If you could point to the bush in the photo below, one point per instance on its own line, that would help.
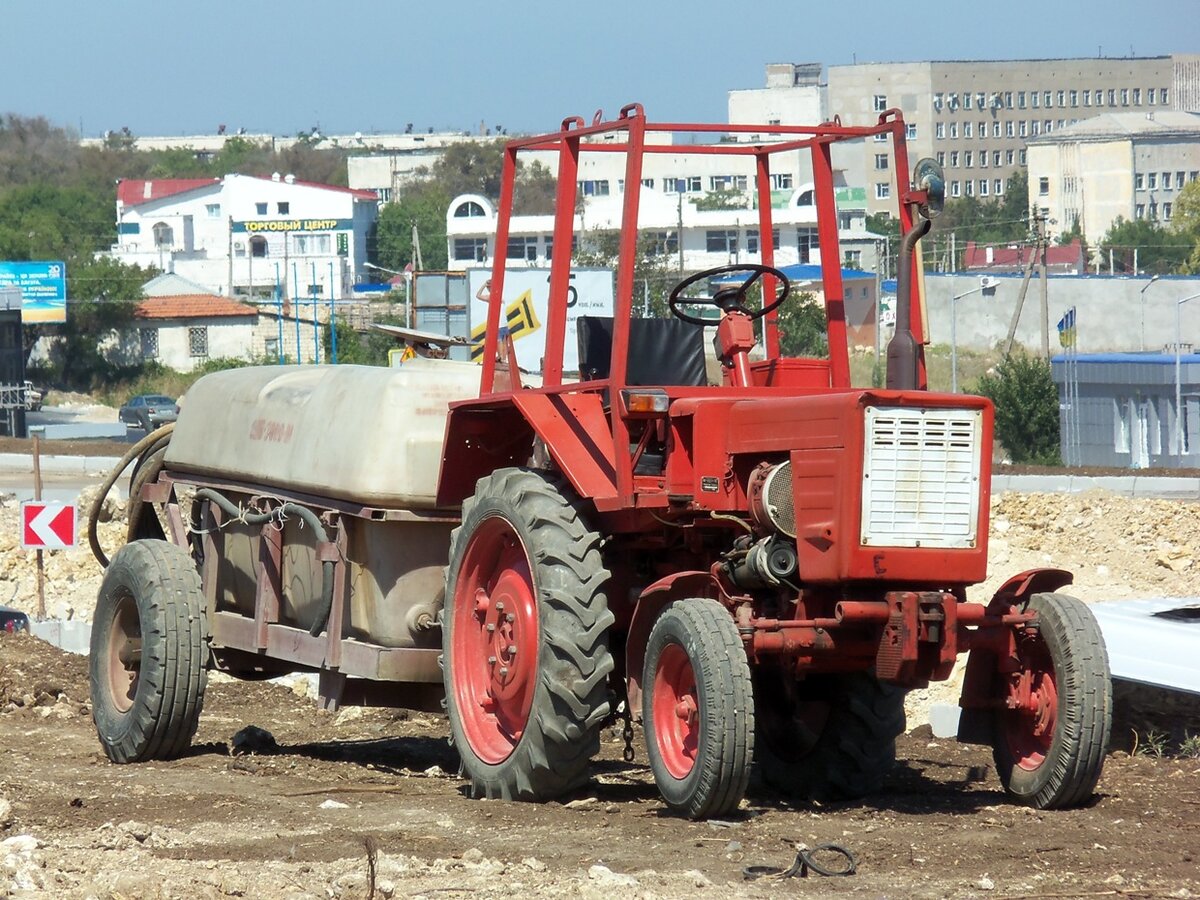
(1026, 402)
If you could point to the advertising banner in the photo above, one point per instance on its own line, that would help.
(43, 287)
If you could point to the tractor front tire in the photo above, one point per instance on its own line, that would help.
(830, 737)
(1049, 755)
(148, 653)
(698, 709)
(525, 639)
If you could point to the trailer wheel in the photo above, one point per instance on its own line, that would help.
(148, 653)
(1052, 737)
(525, 639)
(697, 709)
(828, 737)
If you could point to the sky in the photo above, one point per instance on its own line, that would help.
(166, 68)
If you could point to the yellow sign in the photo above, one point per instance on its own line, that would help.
(520, 319)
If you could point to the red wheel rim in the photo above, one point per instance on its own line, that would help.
(124, 654)
(676, 711)
(1032, 703)
(495, 642)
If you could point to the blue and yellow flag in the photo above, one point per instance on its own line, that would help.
(1066, 328)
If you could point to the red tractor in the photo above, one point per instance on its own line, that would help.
(757, 569)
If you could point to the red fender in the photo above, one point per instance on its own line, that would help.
(650, 603)
(1020, 587)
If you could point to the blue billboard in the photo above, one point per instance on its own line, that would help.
(43, 287)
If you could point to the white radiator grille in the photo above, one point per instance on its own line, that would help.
(921, 477)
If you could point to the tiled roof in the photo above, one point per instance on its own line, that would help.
(132, 191)
(193, 306)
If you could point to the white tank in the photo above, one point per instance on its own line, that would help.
(360, 433)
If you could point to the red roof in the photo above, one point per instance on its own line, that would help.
(132, 191)
(193, 306)
(1017, 255)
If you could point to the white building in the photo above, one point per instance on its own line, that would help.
(793, 95)
(710, 238)
(245, 236)
(1131, 165)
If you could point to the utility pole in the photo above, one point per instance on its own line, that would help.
(1033, 258)
(416, 246)
(1045, 287)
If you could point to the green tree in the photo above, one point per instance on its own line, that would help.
(423, 204)
(1185, 224)
(803, 330)
(1159, 250)
(1026, 401)
(722, 199)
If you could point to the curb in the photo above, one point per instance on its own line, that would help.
(69, 465)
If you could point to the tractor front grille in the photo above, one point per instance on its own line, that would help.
(921, 477)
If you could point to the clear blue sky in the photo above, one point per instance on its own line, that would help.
(374, 65)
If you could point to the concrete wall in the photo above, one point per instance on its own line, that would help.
(1109, 318)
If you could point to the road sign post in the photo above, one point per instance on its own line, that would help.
(45, 526)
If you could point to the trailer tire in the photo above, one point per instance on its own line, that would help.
(525, 638)
(149, 649)
(830, 737)
(1051, 758)
(698, 709)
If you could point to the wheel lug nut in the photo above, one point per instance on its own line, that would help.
(490, 628)
(509, 617)
(512, 649)
(503, 671)
(499, 606)
(491, 660)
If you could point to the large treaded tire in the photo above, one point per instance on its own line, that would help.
(695, 656)
(537, 744)
(150, 611)
(1063, 770)
(830, 737)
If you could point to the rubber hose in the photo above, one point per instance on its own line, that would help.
(94, 515)
(310, 518)
(147, 469)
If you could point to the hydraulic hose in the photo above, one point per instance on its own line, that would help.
(304, 514)
(134, 452)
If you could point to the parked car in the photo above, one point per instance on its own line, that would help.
(13, 620)
(149, 411)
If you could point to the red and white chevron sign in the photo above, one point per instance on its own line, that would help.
(47, 526)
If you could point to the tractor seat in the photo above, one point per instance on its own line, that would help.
(661, 351)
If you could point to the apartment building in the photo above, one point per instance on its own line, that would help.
(1131, 165)
(977, 117)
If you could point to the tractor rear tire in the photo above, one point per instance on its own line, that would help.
(829, 737)
(525, 639)
(698, 709)
(149, 651)
(1051, 758)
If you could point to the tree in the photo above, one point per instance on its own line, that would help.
(1159, 250)
(803, 329)
(1026, 402)
(422, 203)
(722, 199)
(1186, 224)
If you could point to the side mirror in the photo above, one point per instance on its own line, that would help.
(929, 177)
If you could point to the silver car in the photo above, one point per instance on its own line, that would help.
(149, 411)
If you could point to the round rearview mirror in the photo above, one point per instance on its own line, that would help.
(929, 177)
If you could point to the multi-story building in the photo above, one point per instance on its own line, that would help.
(244, 236)
(976, 117)
(1131, 165)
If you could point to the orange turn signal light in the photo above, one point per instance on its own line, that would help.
(646, 401)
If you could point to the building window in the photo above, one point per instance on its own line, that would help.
(996, 128)
(260, 209)
(470, 249)
(881, 161)
(852, 259)
(550, 246)
(522, 247)
(983, 159)
(752, 239)
(1152, 212)
(1179, 182)
(1062, 99)
(983, 187)
(806, 241)
(1139, 181)
(941, 158)
(1074, 98)
(969, 185)
(881, 137)
(1139, 211)
(954, 189)
(998, 186)
(1035, 127)
(910, 131)
(954, 159)
(1193, 175)
(883, 190)
(1008, 100)
(1166, 181)
(283, 207)
(1048, 126)
(1009, 131)
(149, 341)
(724, 240)
(213, 210)
(1021, 157)
(692, 184)
(937, 101)
(1166, 212)
(594, 187)
(1008, 157)
(469, 210)
(164, 236)
(271, 347)
(258, 246)
(198, 341)
(1087, 98)
(982, 130)
(1043, 186)
(939, 130)
(968, 159)
(1020, 99)
(781, 181)
(1137, 96)
(1162, 96)
(953, 131)
(1124, 96)
(727, 182)
(312, 244)
(316, 290)
(1151, 180)
(1036, 99)
(1021, 129)
(966, 129)
(880, 102)
(663, 243)
(966, 100)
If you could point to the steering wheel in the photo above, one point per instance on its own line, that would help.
(730, 298)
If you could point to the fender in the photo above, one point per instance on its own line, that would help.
(650, 603)
(1020, 587)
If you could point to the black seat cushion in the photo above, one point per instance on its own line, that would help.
(661, 351)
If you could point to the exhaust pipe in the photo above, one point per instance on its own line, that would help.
(902, 348)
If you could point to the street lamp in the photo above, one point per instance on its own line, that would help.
(1142, 297)
(1178, 390)
(984, 284)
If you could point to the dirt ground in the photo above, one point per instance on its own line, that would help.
(365, 803)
